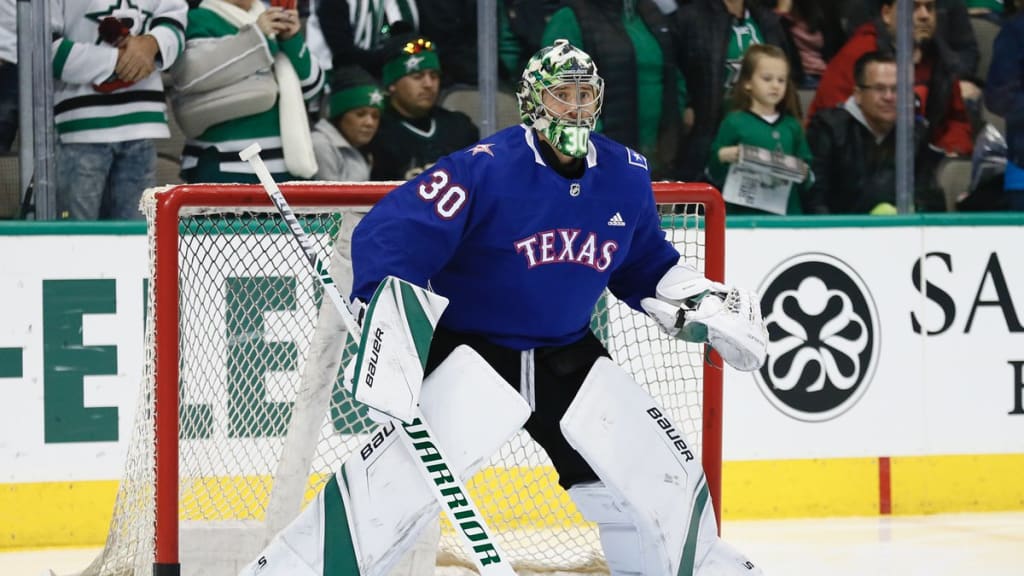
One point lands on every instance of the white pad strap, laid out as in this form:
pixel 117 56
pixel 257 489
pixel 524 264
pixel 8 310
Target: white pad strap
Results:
pixel 652 476
pixel 371 512
pixel 397 329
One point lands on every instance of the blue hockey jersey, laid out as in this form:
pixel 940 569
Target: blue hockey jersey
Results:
pixel 521 252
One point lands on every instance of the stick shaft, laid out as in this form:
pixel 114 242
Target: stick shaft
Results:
pixel 497 565
pixel 319 269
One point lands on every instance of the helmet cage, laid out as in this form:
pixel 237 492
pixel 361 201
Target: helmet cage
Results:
pixel 551 69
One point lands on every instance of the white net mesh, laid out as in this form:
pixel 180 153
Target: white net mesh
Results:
pixel 253 347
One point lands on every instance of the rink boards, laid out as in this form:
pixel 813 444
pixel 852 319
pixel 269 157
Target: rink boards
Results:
pixel 929 420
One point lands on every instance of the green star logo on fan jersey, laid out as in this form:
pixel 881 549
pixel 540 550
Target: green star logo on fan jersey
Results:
pixel 127 12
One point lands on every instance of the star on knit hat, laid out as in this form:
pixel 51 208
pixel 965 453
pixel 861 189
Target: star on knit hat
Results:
pixel 407 53
pixel 353 87
pixel 412 63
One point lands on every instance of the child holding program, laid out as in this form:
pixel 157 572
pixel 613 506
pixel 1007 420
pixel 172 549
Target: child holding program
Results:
pixel 760 155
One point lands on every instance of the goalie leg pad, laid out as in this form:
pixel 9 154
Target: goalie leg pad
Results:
pixel 621 540
pixel 397 329
pixel 385 500
pixel 724 560
pixel 651 478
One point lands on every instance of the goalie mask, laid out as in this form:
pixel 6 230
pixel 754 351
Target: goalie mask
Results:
pixel 568 78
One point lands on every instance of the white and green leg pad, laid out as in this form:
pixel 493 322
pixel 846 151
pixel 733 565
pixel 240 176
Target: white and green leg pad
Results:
pixel 397 330
pixel 652 505
pixel 371 512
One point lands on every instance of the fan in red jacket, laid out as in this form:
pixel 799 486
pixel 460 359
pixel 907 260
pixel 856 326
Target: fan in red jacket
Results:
pixel 936 88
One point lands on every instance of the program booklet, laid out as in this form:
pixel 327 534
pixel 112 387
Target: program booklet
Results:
pixel 776 163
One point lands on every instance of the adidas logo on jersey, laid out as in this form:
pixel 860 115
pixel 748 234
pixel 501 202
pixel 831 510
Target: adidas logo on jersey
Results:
pixel 617 220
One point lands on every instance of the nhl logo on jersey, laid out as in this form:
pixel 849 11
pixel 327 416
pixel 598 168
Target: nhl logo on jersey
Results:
pixel 574 189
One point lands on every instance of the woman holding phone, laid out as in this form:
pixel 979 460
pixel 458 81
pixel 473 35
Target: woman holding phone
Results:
pixel 263 95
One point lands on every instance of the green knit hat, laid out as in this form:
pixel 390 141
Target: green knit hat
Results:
pixel 353 87
pixel 407 55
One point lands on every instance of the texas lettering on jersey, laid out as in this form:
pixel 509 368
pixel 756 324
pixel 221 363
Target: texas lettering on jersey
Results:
pixel 522 253
pixel 566 246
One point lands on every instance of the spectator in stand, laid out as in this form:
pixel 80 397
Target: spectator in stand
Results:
pixel 632 45
pixel 8 74
pixel 766 114
pixel 356 31
pixel 854 149
pixel 935 82
pixel 246 75
pixel 809 30
pixel 109 101
pixel 1004 95
pixel 315 37
pixel 521 25
pixel 453 24
pixel 352 119
pixel 713 35
pixel 952 27
pixel 414 131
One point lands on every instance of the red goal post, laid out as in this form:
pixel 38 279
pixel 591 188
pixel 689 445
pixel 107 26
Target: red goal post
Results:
pixel 692 214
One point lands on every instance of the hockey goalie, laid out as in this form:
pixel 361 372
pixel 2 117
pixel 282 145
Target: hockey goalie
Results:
pixel 521 234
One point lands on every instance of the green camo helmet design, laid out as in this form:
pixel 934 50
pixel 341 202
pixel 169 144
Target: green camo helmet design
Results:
pixel 558 65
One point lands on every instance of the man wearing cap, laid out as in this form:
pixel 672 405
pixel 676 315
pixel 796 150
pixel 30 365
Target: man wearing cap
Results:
pixel 414 130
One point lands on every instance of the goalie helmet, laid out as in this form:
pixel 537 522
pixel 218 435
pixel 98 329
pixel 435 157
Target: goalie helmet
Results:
pixel 562 65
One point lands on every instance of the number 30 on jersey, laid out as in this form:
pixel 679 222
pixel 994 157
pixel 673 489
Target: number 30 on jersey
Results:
pixel 448 198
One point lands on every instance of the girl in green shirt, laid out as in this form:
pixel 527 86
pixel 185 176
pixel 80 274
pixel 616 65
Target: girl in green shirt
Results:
pixel 766 114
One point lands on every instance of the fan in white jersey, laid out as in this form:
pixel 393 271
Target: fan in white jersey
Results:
pixel 109 101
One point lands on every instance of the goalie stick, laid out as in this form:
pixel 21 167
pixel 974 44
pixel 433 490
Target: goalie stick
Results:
pixel 468 517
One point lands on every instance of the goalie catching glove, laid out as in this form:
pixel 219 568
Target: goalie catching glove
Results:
pixel 690 307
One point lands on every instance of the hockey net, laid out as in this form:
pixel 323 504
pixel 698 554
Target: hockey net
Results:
pixel 229 439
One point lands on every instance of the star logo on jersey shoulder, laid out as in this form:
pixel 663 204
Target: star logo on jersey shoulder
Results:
pixel 636 159
pixel 413 63
pixel 482 149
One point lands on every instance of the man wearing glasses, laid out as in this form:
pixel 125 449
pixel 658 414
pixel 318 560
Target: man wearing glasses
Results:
pixel 854 148
pixel 936 85
pixel 414 131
